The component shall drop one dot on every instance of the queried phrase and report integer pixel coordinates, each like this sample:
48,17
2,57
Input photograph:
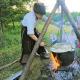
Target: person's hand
42,44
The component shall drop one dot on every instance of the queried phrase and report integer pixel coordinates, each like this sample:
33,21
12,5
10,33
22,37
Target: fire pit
62,62
71,72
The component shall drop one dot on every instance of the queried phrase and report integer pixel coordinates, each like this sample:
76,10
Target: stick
7,65
27,67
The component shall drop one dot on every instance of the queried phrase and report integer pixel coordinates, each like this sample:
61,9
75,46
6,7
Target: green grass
10,49
4,74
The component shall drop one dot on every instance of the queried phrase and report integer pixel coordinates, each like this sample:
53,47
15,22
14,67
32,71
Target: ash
72,72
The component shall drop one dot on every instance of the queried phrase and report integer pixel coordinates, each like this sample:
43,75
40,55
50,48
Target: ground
11,50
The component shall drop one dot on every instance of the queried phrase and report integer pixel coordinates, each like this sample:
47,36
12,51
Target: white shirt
30,22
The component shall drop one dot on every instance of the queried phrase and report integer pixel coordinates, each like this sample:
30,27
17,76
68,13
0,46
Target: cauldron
64,52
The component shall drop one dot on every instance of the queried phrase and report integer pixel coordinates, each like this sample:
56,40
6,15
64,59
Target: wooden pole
61,24
71,20
29,62
8,65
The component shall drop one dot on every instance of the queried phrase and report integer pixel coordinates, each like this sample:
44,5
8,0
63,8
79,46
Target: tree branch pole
29,62
71,20
8,65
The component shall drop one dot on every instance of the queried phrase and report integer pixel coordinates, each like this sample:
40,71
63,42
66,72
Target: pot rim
60,52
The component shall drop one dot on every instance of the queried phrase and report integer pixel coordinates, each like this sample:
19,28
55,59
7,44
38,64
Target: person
30,34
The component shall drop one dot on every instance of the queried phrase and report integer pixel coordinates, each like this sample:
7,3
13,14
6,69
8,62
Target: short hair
39,8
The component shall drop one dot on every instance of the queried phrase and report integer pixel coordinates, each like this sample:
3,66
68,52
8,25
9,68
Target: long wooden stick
71,20
8,65
27,67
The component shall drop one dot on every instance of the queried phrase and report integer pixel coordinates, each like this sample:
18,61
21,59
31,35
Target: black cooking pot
64,52
66,58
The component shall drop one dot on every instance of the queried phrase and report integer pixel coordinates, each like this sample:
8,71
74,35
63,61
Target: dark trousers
28,45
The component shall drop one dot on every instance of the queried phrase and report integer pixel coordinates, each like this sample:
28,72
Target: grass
10,50
4,74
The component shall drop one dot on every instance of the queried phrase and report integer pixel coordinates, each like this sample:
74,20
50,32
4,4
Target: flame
56,63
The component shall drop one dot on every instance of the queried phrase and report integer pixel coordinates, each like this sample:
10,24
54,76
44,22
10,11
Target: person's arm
30,31
35,39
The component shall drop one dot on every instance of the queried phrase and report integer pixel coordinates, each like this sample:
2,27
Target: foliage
10,51
57,16
12,46
11,11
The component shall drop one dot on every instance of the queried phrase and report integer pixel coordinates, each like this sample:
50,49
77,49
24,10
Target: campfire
61,55
56,63
63,64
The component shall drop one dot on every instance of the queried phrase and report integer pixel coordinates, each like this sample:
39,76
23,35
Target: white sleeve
29,22
30,27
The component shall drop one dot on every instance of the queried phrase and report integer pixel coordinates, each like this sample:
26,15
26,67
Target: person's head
39,10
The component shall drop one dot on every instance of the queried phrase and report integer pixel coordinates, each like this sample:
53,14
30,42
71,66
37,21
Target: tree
9,9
